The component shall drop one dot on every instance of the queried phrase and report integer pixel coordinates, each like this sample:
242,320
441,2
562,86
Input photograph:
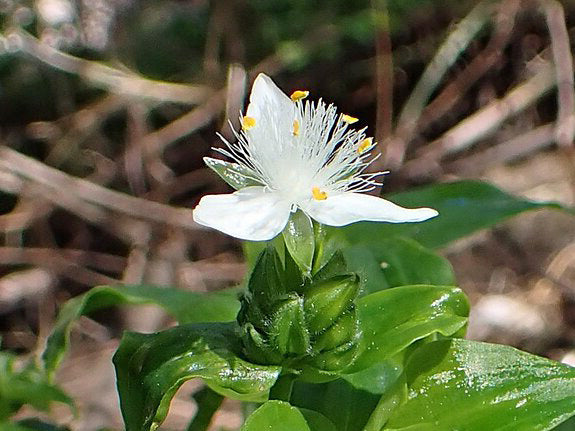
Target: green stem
282,388
208,403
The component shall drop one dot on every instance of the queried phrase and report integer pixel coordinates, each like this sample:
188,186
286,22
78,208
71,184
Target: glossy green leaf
151,367
392,262
464,207
393,319
472,386
186,307
25,386
299,240
379,377
237,176
361,260
348,408
281,416
393,397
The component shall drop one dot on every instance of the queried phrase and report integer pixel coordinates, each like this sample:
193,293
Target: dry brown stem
83,197
115,80
484,122
456,42
62,263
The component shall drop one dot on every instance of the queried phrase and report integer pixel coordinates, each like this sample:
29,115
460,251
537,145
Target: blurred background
108,106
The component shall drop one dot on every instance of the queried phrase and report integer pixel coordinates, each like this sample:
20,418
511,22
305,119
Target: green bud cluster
300,322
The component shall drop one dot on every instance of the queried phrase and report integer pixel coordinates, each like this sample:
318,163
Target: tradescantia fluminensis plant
338,328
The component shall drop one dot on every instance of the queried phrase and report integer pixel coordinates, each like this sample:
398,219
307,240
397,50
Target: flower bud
345,329
256,347
338,358
287,332
304,324
327,300
265,283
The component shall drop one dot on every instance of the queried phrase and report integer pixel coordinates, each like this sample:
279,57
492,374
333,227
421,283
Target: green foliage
186,307
151,367
472,386
394,319
280,416
300,240
464,207
347,407
26,386
385,358
388,262
31,425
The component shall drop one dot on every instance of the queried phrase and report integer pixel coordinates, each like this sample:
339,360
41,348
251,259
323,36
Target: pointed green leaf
464,207
299,239
185,306
378,378
471,386
393,319
394,396
235,175
151,367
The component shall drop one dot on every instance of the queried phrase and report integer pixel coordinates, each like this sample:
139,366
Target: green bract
296,321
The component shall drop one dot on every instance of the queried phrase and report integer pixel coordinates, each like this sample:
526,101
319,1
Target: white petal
271,108
346,208
250,213
265,96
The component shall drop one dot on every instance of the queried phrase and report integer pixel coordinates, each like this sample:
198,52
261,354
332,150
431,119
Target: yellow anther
349,119
248,123
318,195
295,127
299,95
364,145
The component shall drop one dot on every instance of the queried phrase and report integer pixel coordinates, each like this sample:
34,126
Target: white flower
294,155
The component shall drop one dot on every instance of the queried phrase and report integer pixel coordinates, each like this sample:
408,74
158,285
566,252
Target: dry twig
448,53
484,122
84,197
115,80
